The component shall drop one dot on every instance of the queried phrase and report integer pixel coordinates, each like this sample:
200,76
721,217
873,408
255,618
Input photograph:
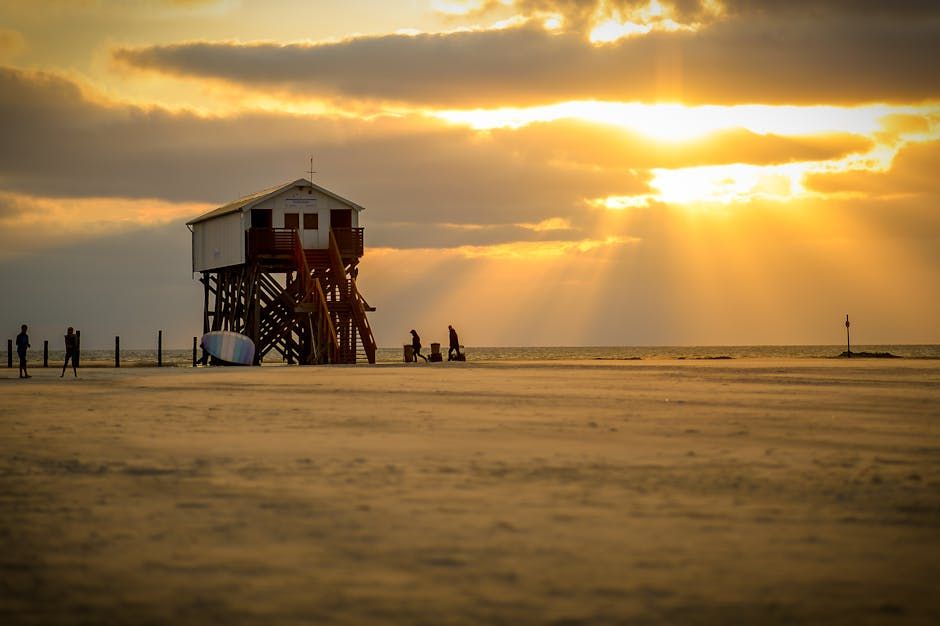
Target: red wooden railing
350,241
349,292
344,243
313,293
271,241
280,241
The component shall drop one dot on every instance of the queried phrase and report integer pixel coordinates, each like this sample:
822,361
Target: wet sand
724,492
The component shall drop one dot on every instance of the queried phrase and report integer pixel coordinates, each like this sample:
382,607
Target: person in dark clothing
71,351
22,344
454,343
416,346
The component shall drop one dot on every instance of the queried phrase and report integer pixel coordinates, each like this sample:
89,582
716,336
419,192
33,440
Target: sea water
183,358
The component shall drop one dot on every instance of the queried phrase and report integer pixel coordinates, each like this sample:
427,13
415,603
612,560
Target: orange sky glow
535,172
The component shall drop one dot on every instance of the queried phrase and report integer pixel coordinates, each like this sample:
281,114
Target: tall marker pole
848,343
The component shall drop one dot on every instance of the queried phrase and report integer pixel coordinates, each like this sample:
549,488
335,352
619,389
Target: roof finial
311,171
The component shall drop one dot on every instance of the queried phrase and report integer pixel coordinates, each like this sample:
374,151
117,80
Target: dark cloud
900,9
57,144
832,58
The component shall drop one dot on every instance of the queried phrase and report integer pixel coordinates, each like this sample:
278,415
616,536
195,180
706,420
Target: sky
534,172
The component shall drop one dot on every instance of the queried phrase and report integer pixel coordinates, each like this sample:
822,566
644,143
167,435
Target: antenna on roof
311,171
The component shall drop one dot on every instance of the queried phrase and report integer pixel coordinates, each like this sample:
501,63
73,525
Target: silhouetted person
454,343
416,346
22,344
71,351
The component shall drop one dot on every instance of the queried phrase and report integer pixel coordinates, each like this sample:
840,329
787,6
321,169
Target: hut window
261,218
341,218
311,221
292,220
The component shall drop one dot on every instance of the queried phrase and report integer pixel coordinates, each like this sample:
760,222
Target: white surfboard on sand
229,346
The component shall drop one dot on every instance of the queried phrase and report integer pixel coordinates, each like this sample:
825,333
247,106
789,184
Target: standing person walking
454,344
416,346
71,351
22,344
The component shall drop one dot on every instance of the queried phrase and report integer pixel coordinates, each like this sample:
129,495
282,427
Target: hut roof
245,203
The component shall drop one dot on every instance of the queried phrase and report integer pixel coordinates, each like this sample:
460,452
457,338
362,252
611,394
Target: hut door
261,218
341,218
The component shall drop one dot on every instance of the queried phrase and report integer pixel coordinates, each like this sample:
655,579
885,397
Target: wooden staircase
346,305
303,304
298,309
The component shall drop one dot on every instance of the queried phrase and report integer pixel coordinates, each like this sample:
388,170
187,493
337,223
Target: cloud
607,146
29,223
913,171
837,59
815,8
418,177
58,144
692,11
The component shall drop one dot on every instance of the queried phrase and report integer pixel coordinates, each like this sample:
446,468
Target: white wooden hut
280,266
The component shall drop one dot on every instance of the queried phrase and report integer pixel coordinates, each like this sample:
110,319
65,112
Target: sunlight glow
546,225
518,250
677,122
721,185
701,188
727,184
553,22
456,7
640,20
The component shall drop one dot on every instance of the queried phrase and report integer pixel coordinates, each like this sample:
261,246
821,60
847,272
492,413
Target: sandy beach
566,493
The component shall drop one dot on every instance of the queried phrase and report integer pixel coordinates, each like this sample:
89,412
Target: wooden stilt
301,304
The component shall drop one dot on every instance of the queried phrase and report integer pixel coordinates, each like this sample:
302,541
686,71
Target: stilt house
280,266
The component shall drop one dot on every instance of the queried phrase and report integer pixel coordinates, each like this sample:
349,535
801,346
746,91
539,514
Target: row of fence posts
117,350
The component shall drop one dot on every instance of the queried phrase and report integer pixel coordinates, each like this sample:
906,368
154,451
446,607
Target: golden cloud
912,171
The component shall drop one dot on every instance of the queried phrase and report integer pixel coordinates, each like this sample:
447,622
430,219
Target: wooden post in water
160,348
848,343
9,353
45,353
117,351
78,348
194,352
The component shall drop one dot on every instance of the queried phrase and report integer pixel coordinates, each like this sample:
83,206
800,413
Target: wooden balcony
349,241
270,242
279,242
